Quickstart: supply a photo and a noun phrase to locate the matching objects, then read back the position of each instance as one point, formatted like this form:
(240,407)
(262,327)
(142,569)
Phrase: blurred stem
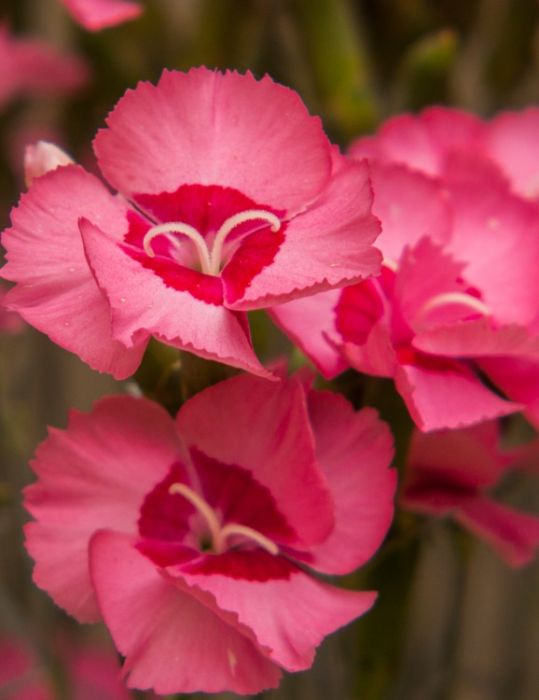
(339,62)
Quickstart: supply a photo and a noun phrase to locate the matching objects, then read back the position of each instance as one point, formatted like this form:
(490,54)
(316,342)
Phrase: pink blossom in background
(450,474)
(100,14)
(32,67)
(198,540)
(10,322)
(225,207)
(42,157)
(21,677)
(457,298)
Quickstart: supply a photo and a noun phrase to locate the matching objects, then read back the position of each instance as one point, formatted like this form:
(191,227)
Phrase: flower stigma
(459,298)
(210,258)
(219,533)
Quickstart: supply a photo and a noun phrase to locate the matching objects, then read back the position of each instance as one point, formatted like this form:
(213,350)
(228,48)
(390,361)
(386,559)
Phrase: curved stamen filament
(230,224)
(219,534)
(210,261)
(184,229)
(459,298)
(237,529)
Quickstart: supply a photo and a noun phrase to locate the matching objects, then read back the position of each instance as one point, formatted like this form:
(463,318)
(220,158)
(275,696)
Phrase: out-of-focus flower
(10,322)
(197,541)
(457,298)
(227,206)
(30,66)
(95,15)
(43,157)
(450,474)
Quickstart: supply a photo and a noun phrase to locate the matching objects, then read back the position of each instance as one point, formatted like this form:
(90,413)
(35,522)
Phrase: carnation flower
(198,540)
(232,199)
(451,473)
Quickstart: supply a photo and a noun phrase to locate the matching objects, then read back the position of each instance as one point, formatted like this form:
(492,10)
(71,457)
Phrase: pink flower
(29,66)
(450,474)
(457,299)
(226,206)
(100,14)
(43,157)
(10,322)
(197,540)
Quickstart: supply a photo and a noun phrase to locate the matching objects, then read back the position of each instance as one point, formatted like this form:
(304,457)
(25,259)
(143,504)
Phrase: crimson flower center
(218,531)
(210,257)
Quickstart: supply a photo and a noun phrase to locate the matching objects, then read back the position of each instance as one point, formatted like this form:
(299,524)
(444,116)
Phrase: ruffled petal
(95,474)
(354,450)
(56,291)
(209,128)
(172,641)
(264,428)
(142,304)
(328,245)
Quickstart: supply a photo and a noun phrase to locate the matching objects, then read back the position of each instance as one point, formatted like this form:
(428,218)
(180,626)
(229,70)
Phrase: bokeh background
(468,631)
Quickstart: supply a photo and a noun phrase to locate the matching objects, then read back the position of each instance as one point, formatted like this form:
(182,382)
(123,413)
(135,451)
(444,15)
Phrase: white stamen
(204,509)
(237,529)
(390,264)
(230,224)
(455,298)
(186,230)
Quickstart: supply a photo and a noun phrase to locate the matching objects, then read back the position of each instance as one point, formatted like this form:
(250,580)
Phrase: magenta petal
(310,323)
(172,642)
(328,245)
(518,378)
(57,292)
(99,14)
(209,128)
(143,305)
(514,535)
(95,474)
(264,428)
(289,617)
(354,451)
(377,356)
(448,396)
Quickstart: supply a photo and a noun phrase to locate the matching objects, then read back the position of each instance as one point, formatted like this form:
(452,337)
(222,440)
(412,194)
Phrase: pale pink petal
(518,379)
(216,129)
(142,304)
(328,245)
(376,356)
(354,450)
(172,642)
(290,616)
(514,535)
(95,474)
(409,205)
(41,158)
(264,428)
(56,291)
(310,323)
(447,395)
(99,14)
(512,140)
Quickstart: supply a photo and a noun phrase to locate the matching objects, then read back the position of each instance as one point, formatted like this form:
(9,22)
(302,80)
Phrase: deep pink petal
(172,642)
(143,305)
(328,245)
(56,291)
(310,323)
(210,128)
(447,395)
(99,14)
(95,474)
(513,535)
(289,617)
(264,428)
(518,379)
(354,451)
(511,139)
(376,356)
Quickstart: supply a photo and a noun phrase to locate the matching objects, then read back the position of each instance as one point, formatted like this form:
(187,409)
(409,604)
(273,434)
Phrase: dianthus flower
(100,14)
(232,199)
(450,473)
(456,300)
(9,322)
(197,540)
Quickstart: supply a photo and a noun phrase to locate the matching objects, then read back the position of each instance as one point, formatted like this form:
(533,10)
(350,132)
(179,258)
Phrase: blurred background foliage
(470,628)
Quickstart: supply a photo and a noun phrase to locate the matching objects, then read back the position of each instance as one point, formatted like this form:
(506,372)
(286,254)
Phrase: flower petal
(142,304)
(264,428)
(172,642)
(95,474)
(518,379)
(209,128)
(56,290)
(99,14)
